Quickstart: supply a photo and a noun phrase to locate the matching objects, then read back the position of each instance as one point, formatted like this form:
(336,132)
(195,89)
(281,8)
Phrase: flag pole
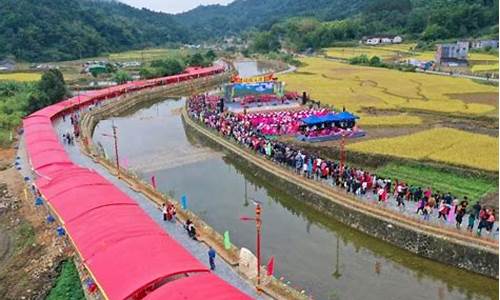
(258,225)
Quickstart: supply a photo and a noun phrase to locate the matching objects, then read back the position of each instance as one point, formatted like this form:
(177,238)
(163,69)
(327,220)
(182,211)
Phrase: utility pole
(342,154)
(258,225)
(115,137)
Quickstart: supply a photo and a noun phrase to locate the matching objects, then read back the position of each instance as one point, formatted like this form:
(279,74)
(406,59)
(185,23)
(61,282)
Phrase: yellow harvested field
(446,145)
(483,56)
(485,68)
(146,54)
(398,47)
(391,120)
(358,87)
(386,52)
(20,76)
(368,51)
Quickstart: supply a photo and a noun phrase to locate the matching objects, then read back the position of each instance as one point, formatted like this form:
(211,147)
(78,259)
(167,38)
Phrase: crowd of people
(279,122)
(68,138)
(357,181)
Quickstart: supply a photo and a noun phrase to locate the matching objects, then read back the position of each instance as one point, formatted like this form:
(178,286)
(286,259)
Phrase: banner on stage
(262,78)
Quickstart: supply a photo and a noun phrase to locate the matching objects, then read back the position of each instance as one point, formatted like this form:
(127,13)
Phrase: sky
(172,6)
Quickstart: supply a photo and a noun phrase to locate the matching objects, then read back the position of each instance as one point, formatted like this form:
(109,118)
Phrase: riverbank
(473,254)
(271,286)
(308,245)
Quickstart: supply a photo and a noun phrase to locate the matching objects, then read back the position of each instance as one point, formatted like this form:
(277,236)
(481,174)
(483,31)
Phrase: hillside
(428,19)
(46,30)
(241,15)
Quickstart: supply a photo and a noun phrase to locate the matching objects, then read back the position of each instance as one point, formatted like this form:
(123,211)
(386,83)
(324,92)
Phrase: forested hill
(241,15)
(431,19)
(45,30)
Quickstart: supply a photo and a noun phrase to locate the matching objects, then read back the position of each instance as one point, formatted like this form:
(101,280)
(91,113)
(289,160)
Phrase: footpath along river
(315,253)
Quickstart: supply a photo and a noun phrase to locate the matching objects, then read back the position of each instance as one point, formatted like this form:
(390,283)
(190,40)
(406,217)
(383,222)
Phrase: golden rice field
(349,52)
(358,87)
(485,68)
(480,62)
(446,145)
(20,76)
(390,120)
(146,54)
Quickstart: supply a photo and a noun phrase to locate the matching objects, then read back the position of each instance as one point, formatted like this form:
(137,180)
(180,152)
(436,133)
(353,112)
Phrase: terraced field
(479,62)
(446,145)
(406,116)
(357,87)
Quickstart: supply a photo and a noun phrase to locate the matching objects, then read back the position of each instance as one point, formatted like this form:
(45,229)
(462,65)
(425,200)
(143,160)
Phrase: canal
(312,251)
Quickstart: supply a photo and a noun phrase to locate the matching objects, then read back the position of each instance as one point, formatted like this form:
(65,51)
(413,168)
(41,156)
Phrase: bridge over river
(315,253)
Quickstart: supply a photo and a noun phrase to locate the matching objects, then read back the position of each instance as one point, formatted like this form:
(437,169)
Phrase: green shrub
(68,285)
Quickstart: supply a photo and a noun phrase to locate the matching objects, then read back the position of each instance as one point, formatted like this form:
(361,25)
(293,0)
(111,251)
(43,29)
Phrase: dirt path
(29,250)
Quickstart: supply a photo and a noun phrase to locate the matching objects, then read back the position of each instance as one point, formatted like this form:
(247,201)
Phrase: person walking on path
(211,257)
(164,211)
(472,219)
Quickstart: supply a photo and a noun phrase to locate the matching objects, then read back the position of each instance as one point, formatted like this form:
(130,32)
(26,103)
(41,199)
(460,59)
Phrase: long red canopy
(197,287)
(126,252)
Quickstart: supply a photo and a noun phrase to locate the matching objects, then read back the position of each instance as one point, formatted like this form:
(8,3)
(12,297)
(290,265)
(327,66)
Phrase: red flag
(270,266)
(153,181)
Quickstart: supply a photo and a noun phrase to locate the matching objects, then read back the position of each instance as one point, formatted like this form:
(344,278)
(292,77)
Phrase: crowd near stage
(263,102)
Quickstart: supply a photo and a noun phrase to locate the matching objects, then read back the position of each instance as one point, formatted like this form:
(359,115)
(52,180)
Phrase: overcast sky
(172,6)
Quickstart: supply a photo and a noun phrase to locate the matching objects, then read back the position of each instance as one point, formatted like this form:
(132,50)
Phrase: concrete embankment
(440,244)
(271,287)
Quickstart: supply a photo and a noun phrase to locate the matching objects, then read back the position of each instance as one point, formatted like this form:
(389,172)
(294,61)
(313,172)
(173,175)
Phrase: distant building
(7,65)
(481,44)
(452,54)
(382,39)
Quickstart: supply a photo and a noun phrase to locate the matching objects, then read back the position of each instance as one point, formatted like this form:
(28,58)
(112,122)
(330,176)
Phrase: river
(312,251)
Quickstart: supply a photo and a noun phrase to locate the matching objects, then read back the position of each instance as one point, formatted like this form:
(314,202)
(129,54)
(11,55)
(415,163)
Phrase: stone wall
(449,247)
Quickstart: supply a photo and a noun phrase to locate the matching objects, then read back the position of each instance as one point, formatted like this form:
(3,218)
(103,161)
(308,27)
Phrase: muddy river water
(312,252)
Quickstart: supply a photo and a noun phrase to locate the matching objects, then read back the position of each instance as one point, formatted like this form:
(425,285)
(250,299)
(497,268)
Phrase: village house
(452,54)
(7,65)
(382,39)
(481,44)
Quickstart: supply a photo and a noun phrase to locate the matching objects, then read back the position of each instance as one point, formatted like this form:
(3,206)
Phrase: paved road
(197,249)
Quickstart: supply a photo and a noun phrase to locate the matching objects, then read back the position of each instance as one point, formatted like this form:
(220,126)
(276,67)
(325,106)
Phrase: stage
(236,106)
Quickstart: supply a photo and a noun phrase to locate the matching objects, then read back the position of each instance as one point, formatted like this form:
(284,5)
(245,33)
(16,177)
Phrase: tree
(375,61)
(210,55)
(165,67)
(146,73)
(264,42)
(50,89)
(359,60)
(121,77)
(196,60)
(434,32)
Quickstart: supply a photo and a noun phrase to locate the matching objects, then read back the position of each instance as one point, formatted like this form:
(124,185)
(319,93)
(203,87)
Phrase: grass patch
(25,236)
(473,187)
(68,285)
